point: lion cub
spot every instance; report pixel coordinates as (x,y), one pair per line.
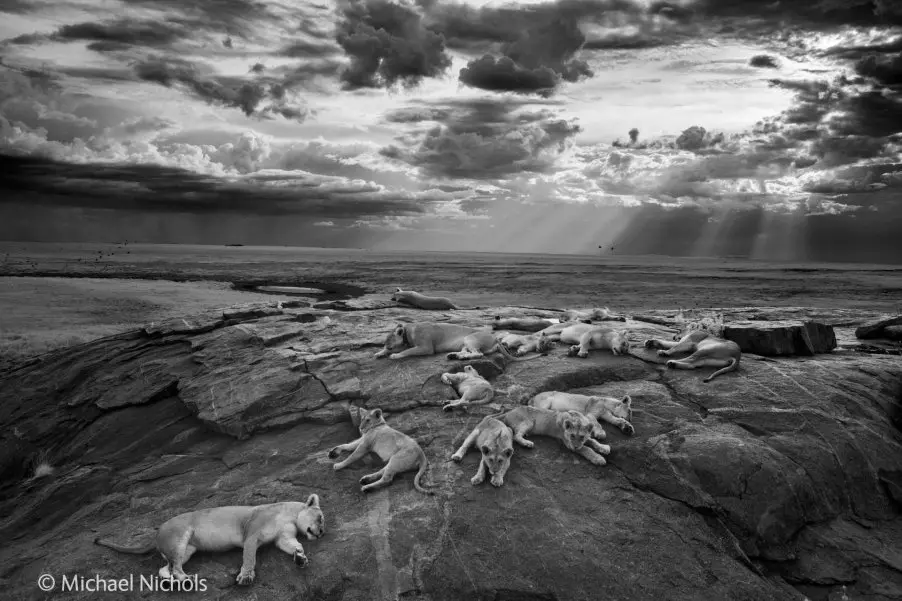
(618,412)
(472,388)
(524,343)
(585,337)
(222,528)
(570,427)
(400,452)
(494,440)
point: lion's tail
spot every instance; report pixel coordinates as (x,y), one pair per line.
(123,549)
(424,465)
(733,366)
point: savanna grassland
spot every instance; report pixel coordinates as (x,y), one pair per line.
(54,295)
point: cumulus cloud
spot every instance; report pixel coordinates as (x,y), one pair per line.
(764,61)
(504,75)
(485,139)
(387,44)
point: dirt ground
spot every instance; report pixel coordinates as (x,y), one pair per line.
(54,295)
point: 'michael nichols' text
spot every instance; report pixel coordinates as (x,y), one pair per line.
(96,584)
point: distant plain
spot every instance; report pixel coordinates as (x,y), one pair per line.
(54,295)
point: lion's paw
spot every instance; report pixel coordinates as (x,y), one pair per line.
(671,364)
(334,452)
(662,353)
(573,351)
(528,444)
(396,356)
(457,458)
(497,481)
(649,343)
(245,578)
(475,480)
(300,559)
(336,466)
(628,429)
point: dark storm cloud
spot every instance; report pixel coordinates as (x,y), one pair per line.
(249,96)
(504,75)
(483,139)
(309,49)
(812,14)
(231,17)
(157,188)
(387,44)
(886,70)
(114,35)
(763,61)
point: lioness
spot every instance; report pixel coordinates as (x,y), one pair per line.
(494,441)
(429,338)
(592,315)
(570,427)
(472,388)
(585,337)
(523,344)
(223,528)
(422,301)
(707,351)
(614,411)
(400,452)
(523,324)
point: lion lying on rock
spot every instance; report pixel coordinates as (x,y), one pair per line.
(422,301)
(571,428)
(522,324)
(472,388)
(614,411)
(400,452)
(223,528)
(707,351)
(429,338)
(585,337)
(525,343)
(494,440)
(592,315)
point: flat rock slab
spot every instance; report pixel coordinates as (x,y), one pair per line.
(781,338)
(783,475)
(877,328)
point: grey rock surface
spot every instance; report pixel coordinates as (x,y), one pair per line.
(781,480)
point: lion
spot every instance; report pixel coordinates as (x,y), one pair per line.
(429,338)
(585,337)
(572,428)
(400,452)
(522,324)
(422,301)
(223,528)
(609,409)
(523,344)
(472,388)
(592,315)
(494,440)
(707,351)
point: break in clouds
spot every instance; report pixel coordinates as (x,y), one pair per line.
(389,117)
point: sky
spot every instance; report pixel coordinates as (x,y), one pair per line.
(762,129)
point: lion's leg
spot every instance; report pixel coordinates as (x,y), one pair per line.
(684,346)
(468,351)
(465,399)
(359,452)
(176,550)
(479,478)
(597,431)
(625,426)
(288,543)
(660,344)
(591,455)
(498,477)
(246,575)
(372,477)
(383,353)
(601,449)
(342,448)
(388,474)
(468,442)
(415,351)
(519,431)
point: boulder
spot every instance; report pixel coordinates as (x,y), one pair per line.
(877,328)
(893,332)
(781,480)
(776,338)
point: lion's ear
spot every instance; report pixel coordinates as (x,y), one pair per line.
(626,400)
(313,500)
(485,450)
(398,289)
(377,413)
(508,453)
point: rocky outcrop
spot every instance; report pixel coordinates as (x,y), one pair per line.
(776,338)
(780,480)
(879,328)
